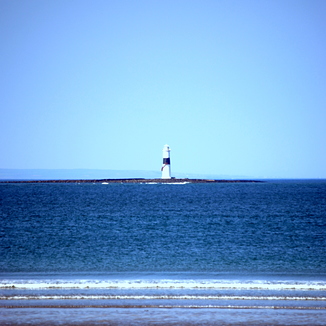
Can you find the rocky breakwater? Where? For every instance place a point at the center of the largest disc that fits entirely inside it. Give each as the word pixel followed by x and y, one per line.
pixel 133 180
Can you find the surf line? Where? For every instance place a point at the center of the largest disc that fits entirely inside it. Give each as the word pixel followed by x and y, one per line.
pixel 71 306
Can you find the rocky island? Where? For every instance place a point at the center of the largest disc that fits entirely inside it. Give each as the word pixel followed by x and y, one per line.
pixel 132 180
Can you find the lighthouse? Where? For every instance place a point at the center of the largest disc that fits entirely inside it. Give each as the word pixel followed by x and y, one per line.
pixel 166 167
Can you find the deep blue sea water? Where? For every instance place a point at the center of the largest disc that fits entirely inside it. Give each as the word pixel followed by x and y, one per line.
pixel 164 254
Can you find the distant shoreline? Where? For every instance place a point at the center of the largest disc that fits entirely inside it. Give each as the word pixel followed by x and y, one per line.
pixel 133 180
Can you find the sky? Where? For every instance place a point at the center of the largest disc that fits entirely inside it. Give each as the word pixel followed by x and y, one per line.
pixel 235 87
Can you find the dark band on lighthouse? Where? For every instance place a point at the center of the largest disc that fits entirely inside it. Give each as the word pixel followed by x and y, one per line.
pixel 166 160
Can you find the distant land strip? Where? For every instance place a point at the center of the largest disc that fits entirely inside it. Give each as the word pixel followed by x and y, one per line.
pixel 131 180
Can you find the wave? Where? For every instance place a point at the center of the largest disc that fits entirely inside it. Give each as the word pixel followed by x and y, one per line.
pixel 166 183
pixel 159 297
pixel 71 306
pixel 164 284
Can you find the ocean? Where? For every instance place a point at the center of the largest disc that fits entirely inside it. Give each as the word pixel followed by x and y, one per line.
pixel 163 254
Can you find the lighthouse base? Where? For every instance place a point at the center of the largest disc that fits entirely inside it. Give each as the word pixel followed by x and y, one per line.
pixel 166 171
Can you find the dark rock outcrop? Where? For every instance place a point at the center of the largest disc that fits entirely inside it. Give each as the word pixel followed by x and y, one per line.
pixel 133 180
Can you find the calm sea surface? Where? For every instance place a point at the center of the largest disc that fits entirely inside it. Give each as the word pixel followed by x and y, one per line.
pixel 163 254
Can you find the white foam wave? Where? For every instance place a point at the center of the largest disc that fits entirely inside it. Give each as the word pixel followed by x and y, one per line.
pixel 166 183
pixel 176 183
pixel 158 297
pixel 164 284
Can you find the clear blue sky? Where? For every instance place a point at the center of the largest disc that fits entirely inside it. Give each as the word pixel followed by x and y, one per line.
pixel 234 87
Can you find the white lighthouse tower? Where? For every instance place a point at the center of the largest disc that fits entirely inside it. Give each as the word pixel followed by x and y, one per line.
pixel 166 167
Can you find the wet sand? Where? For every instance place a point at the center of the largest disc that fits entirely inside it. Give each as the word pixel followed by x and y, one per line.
pixel 159 316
